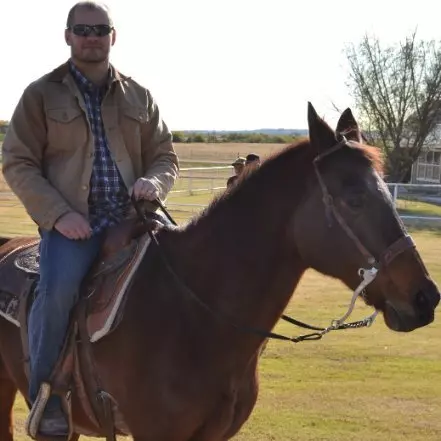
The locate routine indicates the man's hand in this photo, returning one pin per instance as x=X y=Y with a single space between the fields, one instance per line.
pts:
x=145 y=189
x=74 y=226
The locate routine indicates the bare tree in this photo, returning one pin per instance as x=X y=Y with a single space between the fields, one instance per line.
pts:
x=397 y=92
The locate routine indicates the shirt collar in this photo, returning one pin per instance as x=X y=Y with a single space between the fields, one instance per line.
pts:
x=85 y=84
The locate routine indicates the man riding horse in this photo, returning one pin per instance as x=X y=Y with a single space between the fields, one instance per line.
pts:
x=83 y=139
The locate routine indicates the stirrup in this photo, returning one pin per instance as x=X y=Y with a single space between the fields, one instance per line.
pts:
x=36 y=413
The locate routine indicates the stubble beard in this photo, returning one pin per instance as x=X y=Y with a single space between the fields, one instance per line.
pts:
x=90 y=56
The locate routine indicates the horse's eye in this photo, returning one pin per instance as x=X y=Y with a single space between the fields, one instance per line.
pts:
x=355 y=201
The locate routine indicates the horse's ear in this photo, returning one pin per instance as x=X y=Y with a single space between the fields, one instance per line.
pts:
x=348 y=127
x=321 y=136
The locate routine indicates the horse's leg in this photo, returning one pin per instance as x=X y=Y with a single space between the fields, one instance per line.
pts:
x=246 y=397
x=8 y=390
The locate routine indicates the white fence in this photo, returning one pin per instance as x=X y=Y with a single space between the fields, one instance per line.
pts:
x=417 y=202
x=202 y=179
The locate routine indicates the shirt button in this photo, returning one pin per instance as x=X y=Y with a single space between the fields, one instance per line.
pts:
x=84 y=187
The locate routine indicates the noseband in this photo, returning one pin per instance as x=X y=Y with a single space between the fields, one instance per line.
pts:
x=374 y=264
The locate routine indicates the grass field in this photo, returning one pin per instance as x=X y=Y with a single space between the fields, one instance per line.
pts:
x=222 y=152
x=367 y=384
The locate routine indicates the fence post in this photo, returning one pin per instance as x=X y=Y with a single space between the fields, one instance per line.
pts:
x=190 y=182
x=395 y=194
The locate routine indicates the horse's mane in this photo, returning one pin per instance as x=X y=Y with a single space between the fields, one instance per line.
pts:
x=246 y=179
x=285 y=157
x=373 y=154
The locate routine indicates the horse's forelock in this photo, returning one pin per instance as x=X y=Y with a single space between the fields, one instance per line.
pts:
x=373 y=154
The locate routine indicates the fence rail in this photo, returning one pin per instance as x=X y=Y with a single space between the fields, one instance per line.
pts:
x=413 y=200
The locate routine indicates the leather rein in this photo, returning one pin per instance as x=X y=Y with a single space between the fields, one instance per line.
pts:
x=367 y=275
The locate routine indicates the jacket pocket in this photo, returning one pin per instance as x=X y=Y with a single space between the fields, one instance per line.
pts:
x=67 y=129
x=138 y=114
x=132 y=121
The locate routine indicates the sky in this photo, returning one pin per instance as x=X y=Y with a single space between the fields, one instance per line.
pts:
x=218 y=64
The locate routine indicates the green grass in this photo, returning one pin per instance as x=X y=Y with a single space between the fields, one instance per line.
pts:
x=412 y=207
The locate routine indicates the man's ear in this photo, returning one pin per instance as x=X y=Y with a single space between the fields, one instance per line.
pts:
x=67 y=37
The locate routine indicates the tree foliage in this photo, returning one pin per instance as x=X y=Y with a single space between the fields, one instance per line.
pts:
x=397 y=92
x=239 y=137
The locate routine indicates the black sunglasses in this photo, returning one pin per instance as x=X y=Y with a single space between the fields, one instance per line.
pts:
x=84 y=30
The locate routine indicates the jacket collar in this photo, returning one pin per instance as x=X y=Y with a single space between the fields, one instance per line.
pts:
x=62 y=71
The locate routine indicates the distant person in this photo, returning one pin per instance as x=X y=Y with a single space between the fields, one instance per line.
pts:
x=83 y=139
x=252 y=159
x=239 y=165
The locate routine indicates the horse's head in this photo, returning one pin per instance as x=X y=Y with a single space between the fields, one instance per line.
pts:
x=348 y=222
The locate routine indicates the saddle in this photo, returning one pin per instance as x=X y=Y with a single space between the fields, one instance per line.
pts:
x=98 y=312
x=103 y=287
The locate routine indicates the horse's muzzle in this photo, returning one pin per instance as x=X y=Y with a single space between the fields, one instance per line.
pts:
x=424 y=303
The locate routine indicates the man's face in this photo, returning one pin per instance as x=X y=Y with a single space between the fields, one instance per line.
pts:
x=86 y=45
x=238 y=168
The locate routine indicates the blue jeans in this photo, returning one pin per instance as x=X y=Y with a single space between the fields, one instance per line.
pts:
x=63 y=265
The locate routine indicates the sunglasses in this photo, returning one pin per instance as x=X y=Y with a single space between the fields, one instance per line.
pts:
x=84 y=30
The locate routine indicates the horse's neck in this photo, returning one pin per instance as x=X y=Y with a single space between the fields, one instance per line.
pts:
x=248 y=289
x=239 y=264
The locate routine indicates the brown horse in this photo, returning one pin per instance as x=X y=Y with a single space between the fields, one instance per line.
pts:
x=182 y=369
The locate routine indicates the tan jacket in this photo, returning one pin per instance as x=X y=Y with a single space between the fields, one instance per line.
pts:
x=48 y=149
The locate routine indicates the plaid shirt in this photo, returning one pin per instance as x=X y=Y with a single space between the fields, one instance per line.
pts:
x=108 y=198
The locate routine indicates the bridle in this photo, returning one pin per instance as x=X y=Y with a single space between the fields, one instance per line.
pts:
x=390 y=253
x=374 y=264
x=367 y=274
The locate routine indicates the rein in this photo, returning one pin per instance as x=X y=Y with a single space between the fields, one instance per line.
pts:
x=367 y=275
x=218 y=314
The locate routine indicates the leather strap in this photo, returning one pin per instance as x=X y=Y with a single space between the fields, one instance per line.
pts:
x=25 y=298
x=100 y=400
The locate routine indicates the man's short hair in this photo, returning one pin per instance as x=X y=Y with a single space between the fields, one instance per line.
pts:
x=252 y=157
x=91 y=5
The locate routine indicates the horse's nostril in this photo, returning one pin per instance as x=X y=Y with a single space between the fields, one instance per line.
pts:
x=428 y=298
x=421 y=300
